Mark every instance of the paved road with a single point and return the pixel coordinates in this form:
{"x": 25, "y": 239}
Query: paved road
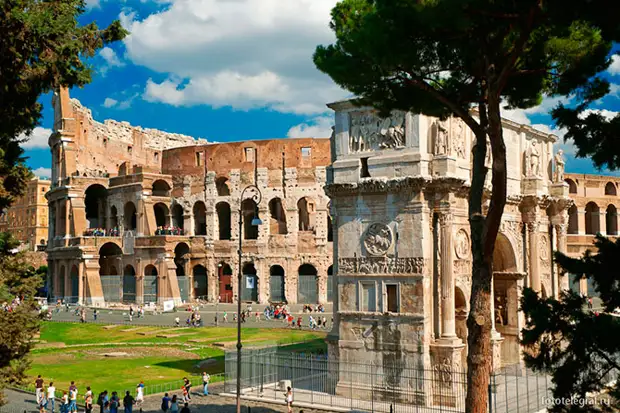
{"x": 207, "y": 313}
{"x": 22, "y": 402}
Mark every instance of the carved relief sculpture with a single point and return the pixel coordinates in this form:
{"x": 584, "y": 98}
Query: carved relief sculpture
{"x": 458, "y": 137}
{"x": 462, "y": 245}
{"x": 443, "y": 371}
{"x": 370, "y": 132}
{"x": 441, "y": 139}
{"x": 378, "y": 239}
{"x": 532, "y": 161}
{"x": 558, "y": 176}
{"x": 381, "y": 265}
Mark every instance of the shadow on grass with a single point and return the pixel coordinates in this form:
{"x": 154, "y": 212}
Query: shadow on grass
{"x": 193, "y": 367}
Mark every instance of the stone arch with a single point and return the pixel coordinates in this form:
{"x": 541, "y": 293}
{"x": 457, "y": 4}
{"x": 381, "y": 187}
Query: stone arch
{"x": 572, "y": 186}
{"x": 150, "y": 270}
{"x": 277, "y": 219}
{"x": 129, "y": 284}
{"x": 223, "y": 219}
{"x": 610, "y": 189}
{"x": 95, "y": 205}
{"x": 177, "y": 216}
{"x": 330, "y": 229}
{"x": 611, "y": 220}
{"x": 161, "y": 188}
{"x": 74, "y": 280}
{"x": 61, "y": 282}
{"x": 249, "y": 288}
{"x": 181, "y": 256}
{"x": 306, "y": 209}
{"x": 150, "y": 284}
{"x": 201, "y": 284}
{"x": 113, "y": 217}
{"x": 331, "y": 287}
{"x": 162, "y": 215}
{"x": 200, "y": 218}
{"x": 131, "y": 217}
{"x": 221, "y": 185}
{"x": 573, "y": 220}
{"x": 250, "y": 211}
{"x": 277, "y": 282}
{"x": 110, "y": 256}
{"x": 592, "y": 218}
{"x": 224, "y": 280}
{"x": 504, "y": 257}
{"x": 461, "y": 310}
{"x": 307, "y": 284}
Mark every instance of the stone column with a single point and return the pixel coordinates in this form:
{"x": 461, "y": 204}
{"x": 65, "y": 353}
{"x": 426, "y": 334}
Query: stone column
{"x": 448, "y": 323}
{"x": 57, "y": 218}
{"x": 534, "y": 260}
{"x": 560, "y": 239}
{"x": 81, "y": 285}
{"x": 602, "y": 222}
{"x": 581, "y": 221}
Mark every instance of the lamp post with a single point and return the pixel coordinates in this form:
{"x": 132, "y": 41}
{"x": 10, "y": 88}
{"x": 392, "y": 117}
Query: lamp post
{"x": 255, "y": 195}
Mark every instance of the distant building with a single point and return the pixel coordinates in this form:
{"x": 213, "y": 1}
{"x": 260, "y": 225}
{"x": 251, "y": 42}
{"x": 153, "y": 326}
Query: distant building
{"x": 27, "y": 218}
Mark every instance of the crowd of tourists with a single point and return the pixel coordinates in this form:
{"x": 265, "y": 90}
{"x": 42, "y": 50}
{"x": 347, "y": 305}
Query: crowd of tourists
{"x": 102, "y": 232}
{"x": 193, "y": 320}
{"x": 9, "y": 307}
{"x": 111, "y": 402}
{"x": 165, "y": 230}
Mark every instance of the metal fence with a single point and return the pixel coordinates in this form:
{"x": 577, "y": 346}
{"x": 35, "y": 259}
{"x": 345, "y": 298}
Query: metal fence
{"x": 370, "y": 387}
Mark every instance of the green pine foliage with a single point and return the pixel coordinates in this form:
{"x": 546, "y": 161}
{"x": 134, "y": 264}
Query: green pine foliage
{"x": 579, "y": 347}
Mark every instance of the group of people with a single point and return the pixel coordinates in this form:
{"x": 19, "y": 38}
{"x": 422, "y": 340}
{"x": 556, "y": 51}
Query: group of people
{"x": 107, "y": 402}
{"x": 166, "y": 230}
{"x": 102, "y": 232}
{"x": 309, "y": 308}
{"x": 193, "y": 320}
{"x": 139, "y": 313}
{"x": 173, "y": 404}
{"x": 9, "y": 307}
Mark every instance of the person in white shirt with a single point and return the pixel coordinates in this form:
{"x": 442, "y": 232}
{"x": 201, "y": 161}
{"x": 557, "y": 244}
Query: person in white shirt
{"x": 205, "y": 383}
{"x": 64, "y": 406}
{"x": 73, "y": 400}
{"x": 51, "y": 396}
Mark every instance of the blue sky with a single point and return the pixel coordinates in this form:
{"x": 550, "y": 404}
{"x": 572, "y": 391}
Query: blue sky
{"x": 227, "y": 71}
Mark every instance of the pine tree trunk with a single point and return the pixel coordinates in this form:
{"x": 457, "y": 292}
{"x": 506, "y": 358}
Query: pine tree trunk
{"x": 483, "y": 235}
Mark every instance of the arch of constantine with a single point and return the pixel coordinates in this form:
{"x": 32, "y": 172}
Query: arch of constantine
{"x": 399, "y": 200}
{"x": 143, "y": 216}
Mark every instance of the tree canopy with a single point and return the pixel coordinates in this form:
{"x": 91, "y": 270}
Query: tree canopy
{"x": 42, "y": 47}
{"x": 446, "y": 57}
{"x": 578, "y": 347}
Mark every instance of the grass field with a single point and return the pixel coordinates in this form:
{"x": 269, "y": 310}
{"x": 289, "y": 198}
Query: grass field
{"x": 78, "y": 352}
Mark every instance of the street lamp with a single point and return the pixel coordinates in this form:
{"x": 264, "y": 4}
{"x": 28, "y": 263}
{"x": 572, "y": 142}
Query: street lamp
{"x": 255, "y": 195}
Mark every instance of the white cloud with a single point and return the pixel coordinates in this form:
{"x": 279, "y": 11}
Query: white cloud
{"x": 37, "y": 140}
{"x": 92, "y": 4}
{"x": 109, "y": 102}
{"x": 320, "y": 127}
{"x": 607, "y": 114}
{"x": 110, "y": 57}
{"x": 614, "y": 68}
{"x": 243, "y": 54}
{"x": 42, "y": 172}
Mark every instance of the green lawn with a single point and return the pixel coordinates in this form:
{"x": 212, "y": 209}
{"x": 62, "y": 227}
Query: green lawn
{"x": 151, "y": 359}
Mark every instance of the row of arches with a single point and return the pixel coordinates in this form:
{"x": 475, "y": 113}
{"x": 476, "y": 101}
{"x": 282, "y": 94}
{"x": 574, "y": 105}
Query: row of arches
{"x": 610, "y": 187}
{"x": 592, "y": 219}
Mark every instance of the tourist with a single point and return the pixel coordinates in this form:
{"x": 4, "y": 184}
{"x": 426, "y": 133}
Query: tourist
{"x": 38, "y": 384}
{"x": 188, "y": 385}
{"x": 114, "y": 402}
{"x": 185, "y": 408}
{"x": 128, "y": 402}
{"x": 299, "y": 321}
{"x": 41, "y": 401}
{"x": 205, "y": 382}
{"x": 88, "y": 401}
{"x": 95, "y": 313}
{"x": 51, "y": 396}
{"x": 165, "y": 403}
{"x": 184, "y": 393}
{"x": 289, "y": 399}
{"x": 174, "y": 404}
{"x": 225, "y": 318}
{"x": 140, "y": 395}
{"x": 105, "y": 407}
{"x": 73, "y": 393}
{"x": 177, "y": 321}
{"x": 64, "y": 403}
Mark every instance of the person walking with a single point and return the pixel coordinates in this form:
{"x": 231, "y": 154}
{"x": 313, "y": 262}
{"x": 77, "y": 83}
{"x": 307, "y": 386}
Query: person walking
{"x": 95, "y": 314}
{"x": 38, "y": 384}
{"x": 165, "y": 403}
{"x": 73, "y": 393}
{"x": 88, "y": 401}
{"x": 174, "y": 404}
{"x": 64, "y": 403}
{"x": 114, "y": 402}
{"x": 51, "y": 396}
{"x": 128, "y": 402}
{"x": 289, "y": 399}
{"x": 140, "y": 395}
{"x": 188, "y": 386}
{"x": 185, "y": 409}
{"x": 41, "y": 401}
{"x": 205, "y": 383}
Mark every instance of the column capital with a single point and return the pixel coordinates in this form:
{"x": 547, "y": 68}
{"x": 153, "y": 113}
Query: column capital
{"x": 561, "y": 229}
{"x": 445, "y": 218}
{"x": 531, "y": 226}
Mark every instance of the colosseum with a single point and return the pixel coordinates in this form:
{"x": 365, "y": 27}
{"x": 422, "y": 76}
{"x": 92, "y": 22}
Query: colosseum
{"x": 144, "y": 216}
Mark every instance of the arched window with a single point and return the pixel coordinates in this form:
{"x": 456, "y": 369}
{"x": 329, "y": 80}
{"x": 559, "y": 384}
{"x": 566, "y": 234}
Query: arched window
{"x": 611, "y": 220}
{"x": 221, "y": 185}
{"x": 177, "y": 216}
{"x": 200, "y": 218}
{"x": 592, "y": 219}
{"x": 610, "y": 189}
{"x": 161, "y": 188}
{"x": 572, "y": 186}
{"x": 223, "y": 219}
{"x": 306, "y": 210}
{"x": 95, "y": 200}
{"x": 181, "y": 256}
{"x": 131, "y": 219}
{"x": 573, "y": 220}
{"x": 249, "y": 209}
{"x": 162, "y": 215}
{"x": 277, "y": 221}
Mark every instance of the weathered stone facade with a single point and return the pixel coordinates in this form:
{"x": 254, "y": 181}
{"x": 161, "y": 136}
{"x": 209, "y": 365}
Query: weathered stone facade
{"x": 144, "y": 216}
{"x": 398, "y": 189}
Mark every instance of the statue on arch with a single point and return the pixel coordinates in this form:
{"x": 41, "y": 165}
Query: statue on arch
{"x": 441, "y": 140}
{"x": 532, "y": 161}
{"x": 559, "y": 167}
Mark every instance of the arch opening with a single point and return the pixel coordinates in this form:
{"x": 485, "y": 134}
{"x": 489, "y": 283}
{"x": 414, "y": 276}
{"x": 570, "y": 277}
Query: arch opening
{"x": 572, "y": 186}
{"x": 331, "y": 286}
{"x": 277, "y": 220}
{"x": 149, "y": 283}
{"x": 306, "y": 209}
{"x": 131, "y": 218}
{"x": 250, "y": 211}
{"x": 249, "y": 289}
{"x": 573, "y": 220}
{"x": 181, "y": 258}
{"x": 307, "y": 284}
{"x": 177, "y": 217}
{"x": 162, "y": 215}
{"x": 161, "y": 188}
{"x": 95, "y": 202}
{"x": 200, "y": 218}
{"x": 610, "y": 189}
{"x": 201, "y": 285}
{"x": 113, "y": 218}
{"x": 592, "y": 218}
{"x": 221, "y": 185}
{"x": 611, "y": 220}
{"x": 276, "y": 284}
{"x": 224, "y": 278}
{"x": 129, "y": 285}
{"x": 223, "y": 220}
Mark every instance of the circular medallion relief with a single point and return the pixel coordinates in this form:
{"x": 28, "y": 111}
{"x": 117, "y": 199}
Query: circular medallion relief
{"x": 462, "y": 245}
{"x": 378, "y": 239}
